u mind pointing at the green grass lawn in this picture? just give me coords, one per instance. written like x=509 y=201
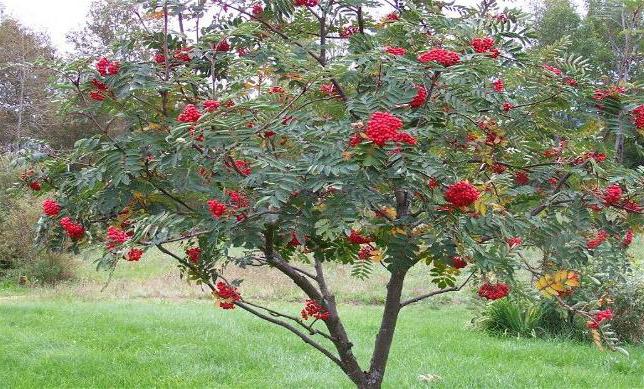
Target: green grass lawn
x=146 y=343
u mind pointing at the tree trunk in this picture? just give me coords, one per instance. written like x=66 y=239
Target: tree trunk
x=387 y=328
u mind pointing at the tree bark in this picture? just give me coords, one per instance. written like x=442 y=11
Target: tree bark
x=387 y=329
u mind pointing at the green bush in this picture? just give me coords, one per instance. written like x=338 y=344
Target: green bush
x=628 y=308
x=520 y=317
x=18 y=254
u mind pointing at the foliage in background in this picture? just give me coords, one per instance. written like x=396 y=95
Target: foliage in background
x=19 y=256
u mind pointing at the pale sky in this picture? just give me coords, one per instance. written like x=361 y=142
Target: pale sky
x=58 y=17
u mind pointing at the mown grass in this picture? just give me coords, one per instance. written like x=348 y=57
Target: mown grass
x=148 y=343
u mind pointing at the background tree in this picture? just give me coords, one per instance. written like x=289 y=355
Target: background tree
x=24 y=107
x=309 y=132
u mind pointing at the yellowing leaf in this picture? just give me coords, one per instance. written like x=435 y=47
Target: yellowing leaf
x=561 y=283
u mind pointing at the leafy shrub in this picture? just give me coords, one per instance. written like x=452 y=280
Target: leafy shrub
x=628 y=307
x=18 y=255
x=520 y=317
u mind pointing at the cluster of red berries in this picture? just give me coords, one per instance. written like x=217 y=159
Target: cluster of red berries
x=514 y=242
x=552 y=69
x=628 y=238
x=348 y=31
x=74 y=230
x=276 y=90
x=384 y=127
x=458 y=263
x=442 y=56
x=217 y=208
x=433 y=183
x=50 y=207
x=190 y=114
x=115 y=237
x=595 y=242
x=498 y=85
x=612 y=91
x=222 y=46
x=106 y=67
x=194 y=254
x=257 y=10
x=598 y=157
x=313 y=309
x=461 y=194
x=133 y=255
x=600 y=317
x=181 y=54
x=485 y=45
x=306 y=3
x=521 y=178
x=294 y=240
x=228 y=295
x=498 y=168
x=399 y=51
x=365 y=252
x=238 y=199
x=494 y=291
x=159 y=58
x=638 y=117
x=211 y=105
x=507 y=106
x=35 y=186
x=356 y=238
x=98 y=94
x=392 y=17
x=242 y=167
x=420 y=98
x=612 y=194
x=328 y=89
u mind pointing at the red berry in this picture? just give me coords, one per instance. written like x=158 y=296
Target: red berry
x=74 y=230
x=190 y=114
x=313 y=309
x=597 y=240
x=355 y=238
x=461 y=194
x=507 y=106
x=217 y=208
x=458 y=263
x=51 y=207
x=384 y=127
x=482 y=45
x=348 y=31
x=306 y=3
x=211 y=105
x=96 y=95
x=552 y=69
x=628 y=238
x=398 y=51
x=521 y=178
x=182 y=54
x=194 y=254
x=442 y=56
x=227 y=295
x=612 y=194
x=35 y=186
x=257 y=10
x=115 y=237
x=133 y=255
x=222 y=46
x=514 y=242
x=498 y=85
x=420 y=98
x=494 y=291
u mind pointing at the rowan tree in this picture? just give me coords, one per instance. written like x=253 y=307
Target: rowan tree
x=309 y=132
